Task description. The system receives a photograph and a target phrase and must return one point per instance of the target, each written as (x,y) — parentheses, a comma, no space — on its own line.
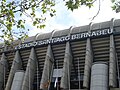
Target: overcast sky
(65,18)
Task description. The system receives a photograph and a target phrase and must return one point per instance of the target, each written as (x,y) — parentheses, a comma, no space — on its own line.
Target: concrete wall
(114,88)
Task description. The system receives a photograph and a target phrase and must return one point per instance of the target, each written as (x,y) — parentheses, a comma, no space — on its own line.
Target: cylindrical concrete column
(99,76)
(17,81)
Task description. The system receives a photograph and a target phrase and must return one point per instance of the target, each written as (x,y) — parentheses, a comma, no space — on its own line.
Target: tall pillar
(65,79)
(47,70)
(30,71)
(112,60)
(112,64)
(16,65)
(88,64)
(3,70)
(99,76)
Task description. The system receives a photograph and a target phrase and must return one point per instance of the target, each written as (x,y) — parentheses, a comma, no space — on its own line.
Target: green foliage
(75,4)
(12,23)
(116,6)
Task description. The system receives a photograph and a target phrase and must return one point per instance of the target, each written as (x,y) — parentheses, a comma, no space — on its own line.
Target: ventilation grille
(101,47)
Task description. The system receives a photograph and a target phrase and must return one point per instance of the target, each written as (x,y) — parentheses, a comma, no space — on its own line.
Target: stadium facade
(78,58)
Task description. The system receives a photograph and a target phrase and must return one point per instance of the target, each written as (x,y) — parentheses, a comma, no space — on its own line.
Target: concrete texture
(88,64)
(47,70)
(99,77)
(65,79)
(30,71)
(16,65)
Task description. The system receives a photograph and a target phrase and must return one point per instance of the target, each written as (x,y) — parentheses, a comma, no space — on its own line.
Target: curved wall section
(99,76)
(17,81)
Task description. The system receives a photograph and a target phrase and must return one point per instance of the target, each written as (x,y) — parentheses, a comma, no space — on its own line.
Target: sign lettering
(66,38)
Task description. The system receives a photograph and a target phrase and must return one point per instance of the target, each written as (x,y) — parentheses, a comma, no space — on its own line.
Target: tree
(12,25)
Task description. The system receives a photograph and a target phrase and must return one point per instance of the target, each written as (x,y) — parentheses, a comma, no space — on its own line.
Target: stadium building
(78,58)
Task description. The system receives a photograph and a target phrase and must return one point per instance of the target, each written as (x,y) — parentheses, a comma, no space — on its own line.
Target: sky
(65,18)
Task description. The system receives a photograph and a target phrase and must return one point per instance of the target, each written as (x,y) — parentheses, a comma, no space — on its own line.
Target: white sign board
(57,73)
